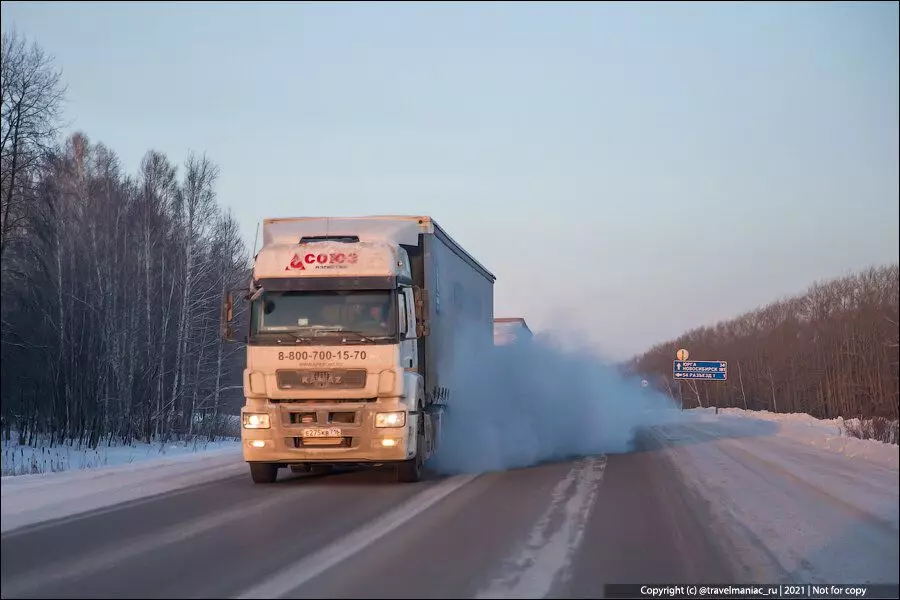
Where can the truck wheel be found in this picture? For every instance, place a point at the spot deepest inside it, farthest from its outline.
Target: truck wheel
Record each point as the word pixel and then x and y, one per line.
pixel 410 471
pixel 263 472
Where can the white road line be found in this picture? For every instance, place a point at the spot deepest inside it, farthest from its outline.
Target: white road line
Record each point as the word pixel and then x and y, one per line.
pixel 306 569
pixel 555 538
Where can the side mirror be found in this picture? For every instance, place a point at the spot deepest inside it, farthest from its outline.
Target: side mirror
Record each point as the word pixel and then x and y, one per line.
pixel 421 301
pixel 403 314
pixel 228 317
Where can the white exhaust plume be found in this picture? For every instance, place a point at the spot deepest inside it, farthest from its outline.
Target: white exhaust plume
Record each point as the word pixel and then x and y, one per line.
pixel 529 403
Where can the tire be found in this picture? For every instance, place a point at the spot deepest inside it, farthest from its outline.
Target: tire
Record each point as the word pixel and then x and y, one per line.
pixel 263 472
pixel 410 471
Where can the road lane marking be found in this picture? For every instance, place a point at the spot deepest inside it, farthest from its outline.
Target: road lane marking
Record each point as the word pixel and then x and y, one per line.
pixel 545 558
pixel 314 565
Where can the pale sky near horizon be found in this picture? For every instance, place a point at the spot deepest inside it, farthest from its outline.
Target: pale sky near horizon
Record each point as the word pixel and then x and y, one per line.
pixel 628 171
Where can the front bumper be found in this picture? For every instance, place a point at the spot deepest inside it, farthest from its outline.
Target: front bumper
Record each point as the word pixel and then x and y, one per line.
pixel 359 442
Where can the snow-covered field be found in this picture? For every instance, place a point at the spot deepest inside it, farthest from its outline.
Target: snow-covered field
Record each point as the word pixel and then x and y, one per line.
pixel 43 458
pixel 798 499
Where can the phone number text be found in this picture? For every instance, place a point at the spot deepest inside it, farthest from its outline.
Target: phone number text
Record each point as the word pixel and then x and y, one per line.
pixel 323 355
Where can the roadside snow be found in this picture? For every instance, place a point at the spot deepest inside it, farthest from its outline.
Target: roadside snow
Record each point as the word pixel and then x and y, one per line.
pixel 797 500
pixel 26 460
pixel 30 499
pixel 830 435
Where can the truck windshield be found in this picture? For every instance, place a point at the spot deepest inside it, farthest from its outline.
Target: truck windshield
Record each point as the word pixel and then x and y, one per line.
pixel 313 314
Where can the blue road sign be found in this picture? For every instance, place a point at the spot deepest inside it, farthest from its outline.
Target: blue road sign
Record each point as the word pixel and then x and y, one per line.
pixel 717 370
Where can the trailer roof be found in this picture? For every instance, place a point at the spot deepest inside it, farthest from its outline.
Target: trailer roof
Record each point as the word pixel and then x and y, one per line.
pixel 519 320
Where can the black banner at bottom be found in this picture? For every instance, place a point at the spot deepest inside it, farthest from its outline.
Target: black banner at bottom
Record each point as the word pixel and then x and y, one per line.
pixel 752 591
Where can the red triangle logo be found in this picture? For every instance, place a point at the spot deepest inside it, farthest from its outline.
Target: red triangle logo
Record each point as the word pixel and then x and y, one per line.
pixel 296 264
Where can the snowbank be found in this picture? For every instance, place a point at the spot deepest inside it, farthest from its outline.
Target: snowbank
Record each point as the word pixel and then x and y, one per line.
pixel 43 458
pixel 830 435
pixel 29 499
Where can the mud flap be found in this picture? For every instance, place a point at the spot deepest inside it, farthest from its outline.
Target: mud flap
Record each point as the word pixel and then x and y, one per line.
pixel 426 427
pixel 432 420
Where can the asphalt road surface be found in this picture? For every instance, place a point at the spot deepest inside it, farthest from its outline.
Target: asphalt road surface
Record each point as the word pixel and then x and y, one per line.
pixel 555 530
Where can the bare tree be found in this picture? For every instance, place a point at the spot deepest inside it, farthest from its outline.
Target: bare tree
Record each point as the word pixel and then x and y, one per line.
pixel 32 92
pixel 112 284
pixel 195 210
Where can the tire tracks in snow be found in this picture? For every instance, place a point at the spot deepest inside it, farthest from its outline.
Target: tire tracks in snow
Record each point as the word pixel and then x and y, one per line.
pixel 544 561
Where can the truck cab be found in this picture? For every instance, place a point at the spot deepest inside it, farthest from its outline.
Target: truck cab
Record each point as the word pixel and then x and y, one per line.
pixel 336 352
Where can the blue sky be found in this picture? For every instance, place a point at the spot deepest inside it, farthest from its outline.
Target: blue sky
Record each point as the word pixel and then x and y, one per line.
pixel 628 171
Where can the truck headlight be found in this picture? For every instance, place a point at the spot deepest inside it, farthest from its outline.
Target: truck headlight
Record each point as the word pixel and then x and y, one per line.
pixel 390 419
pixel 255 420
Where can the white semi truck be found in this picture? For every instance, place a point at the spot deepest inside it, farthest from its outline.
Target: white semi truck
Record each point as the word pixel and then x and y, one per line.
pixel 355 325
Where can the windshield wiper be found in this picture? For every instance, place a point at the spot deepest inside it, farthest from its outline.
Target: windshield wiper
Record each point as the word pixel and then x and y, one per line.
pixel 298 338
pixel 363 337
pixel 326 331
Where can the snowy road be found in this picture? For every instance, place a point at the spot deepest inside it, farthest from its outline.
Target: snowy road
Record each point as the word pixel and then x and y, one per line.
pixel 699 502
pixel 795 513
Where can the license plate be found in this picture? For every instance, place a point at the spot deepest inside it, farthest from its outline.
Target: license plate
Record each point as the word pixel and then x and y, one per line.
pixel 330 432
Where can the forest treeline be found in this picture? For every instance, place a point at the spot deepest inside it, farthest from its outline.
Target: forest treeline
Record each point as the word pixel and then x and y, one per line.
pixel 831 352
pixel 112 282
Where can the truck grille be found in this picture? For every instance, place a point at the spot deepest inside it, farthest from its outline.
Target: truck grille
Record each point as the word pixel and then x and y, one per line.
pixel 339 379
pixel 311 418
pixel 307 418
pixel 341 442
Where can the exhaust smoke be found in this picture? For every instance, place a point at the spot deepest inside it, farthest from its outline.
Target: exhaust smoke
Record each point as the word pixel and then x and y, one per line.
pixel 527 403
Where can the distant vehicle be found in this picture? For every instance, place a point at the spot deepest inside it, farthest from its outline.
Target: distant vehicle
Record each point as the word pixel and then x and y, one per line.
pixel 353 326
pixel 511 330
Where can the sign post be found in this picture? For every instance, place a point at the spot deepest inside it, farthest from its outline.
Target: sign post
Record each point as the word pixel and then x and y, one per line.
pixel 682 354
pixel 708 370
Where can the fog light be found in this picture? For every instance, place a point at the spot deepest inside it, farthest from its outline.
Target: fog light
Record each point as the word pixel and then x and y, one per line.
pixel 258 443
pixel 389 443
